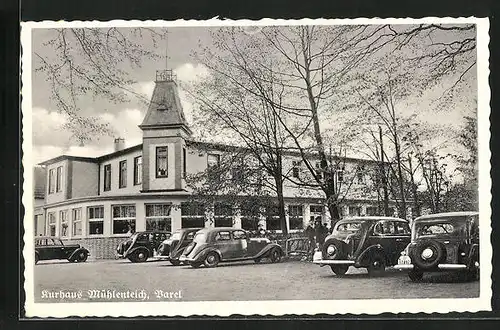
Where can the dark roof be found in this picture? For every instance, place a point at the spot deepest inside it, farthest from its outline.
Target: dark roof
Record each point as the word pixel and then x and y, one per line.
pixel 118 153
pixel 440 216
pixel 39 178
pixel 64 157
pixel 371 218
pixel 165 108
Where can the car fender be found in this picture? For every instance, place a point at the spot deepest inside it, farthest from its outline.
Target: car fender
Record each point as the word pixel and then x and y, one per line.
pixel 361 259
pixel 203 253
pixel 268 248
pixel 80 249
pixel 131 251
pixel 473 255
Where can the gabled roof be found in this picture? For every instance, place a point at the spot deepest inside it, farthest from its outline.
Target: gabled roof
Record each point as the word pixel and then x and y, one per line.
pixel 165 108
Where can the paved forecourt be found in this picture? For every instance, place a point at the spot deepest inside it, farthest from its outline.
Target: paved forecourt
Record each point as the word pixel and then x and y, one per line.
pixel 121 280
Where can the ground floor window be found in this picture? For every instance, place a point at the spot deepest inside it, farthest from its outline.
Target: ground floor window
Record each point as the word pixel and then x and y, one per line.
pixel 123 219
pixel 223 215
pixel 76 216
pixel 158 217
pixel 273 218
pixel 250 215
pixel 96 220
pixel 192 215
pixel 372 210
pixel 295 217
pixel 354 210
pixel 51 218
pixel 63 217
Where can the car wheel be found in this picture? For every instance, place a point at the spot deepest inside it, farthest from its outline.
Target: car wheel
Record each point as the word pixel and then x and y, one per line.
pixel 212 259
pixel 275 255
pixel 339 270
pixel 333 249
pixel 36 258
pixel 377 265
pixel 139 256
pixel 81 256
pixel 415 275
pixel 428 254
pixel 175 262
pixel 257 260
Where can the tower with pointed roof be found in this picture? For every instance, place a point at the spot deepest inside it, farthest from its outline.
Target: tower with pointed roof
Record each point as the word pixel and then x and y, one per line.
pixel 165 130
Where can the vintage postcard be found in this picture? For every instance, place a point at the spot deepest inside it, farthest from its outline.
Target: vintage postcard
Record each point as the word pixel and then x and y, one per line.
pixel 268 167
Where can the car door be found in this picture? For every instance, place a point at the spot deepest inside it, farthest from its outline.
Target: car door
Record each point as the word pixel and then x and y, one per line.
pixel 41 248
pixel 54 249
pixel 224 242
pixel 402 237
pixel 242 248
pixel 383 234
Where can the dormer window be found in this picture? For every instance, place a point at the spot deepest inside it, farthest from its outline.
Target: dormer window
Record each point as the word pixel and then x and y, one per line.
pixel 161 162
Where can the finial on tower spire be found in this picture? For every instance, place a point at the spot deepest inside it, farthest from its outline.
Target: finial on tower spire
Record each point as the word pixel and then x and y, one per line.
pixel 166 74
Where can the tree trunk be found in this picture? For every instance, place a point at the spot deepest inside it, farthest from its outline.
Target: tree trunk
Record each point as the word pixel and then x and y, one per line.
pixel 279 191
pixel 401 178
pixel 383 174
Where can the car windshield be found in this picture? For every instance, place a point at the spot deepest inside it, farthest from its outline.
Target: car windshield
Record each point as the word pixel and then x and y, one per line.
pixel 200 238
pixel 349 227
pixel 176 236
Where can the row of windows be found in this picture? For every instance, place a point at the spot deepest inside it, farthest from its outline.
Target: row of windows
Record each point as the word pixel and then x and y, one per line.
pixel 122 173
pixel 158 218
pixel 55 179
pixel 360 172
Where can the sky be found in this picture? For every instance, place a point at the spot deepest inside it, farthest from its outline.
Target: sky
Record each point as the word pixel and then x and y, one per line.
pixel 51 140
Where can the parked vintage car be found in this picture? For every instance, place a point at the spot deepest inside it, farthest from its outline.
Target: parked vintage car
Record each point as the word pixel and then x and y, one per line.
pixel 141 245
pixel 371 242
pixel 213 245
pixel 172 248
pixel 444 241
pixel 48 248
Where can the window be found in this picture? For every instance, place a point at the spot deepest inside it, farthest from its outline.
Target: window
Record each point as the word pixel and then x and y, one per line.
pixel 59 179
pixel 223 215
pixel 192 215
pixel 137 170
pixel 52 182
pixel 213 160
pixel 239 234
pixel 354 210
pixel 52 223
pixel 158 217
pixel 371 210
pixel 340 174
pixel 273 218
pixel 161 162
pixel 223 236
pixel 316 209
pixel 402 228
pixel 76 216
pixel 63 217
pixel 250 213
pixel 107 177
pixel 319 171
pixel 123 219
pixel 360 174
pixel 295 169
pixel 96 220
pixel 295 217
pixel 184 162
pixel 384 228
pixel 122 176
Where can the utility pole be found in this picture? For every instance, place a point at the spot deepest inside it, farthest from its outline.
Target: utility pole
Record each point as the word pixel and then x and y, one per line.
pixel 383 172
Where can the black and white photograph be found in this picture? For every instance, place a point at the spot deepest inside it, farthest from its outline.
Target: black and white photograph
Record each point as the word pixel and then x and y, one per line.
pixel 264 167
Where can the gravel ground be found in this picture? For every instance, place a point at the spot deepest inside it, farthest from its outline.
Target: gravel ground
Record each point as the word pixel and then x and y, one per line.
pixel 289 280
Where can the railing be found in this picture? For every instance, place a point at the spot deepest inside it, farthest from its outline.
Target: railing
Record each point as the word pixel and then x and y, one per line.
pixel 165 75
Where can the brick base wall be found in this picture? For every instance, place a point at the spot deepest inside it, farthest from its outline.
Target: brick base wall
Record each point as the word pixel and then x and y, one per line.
pixel 99 247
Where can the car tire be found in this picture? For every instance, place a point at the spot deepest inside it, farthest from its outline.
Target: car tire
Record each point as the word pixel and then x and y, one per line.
pixel 377 264
pixel 195 264
pixel 211 260
pixel 338 248
pixel 175 262
pixel 339 270
pixel 439 253
pixel 81 257
pixel 139 256
pixel 257 260
pixel 415 275
pixel 275 255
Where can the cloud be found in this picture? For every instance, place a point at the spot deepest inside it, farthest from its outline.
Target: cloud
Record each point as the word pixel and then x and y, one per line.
pixel 47 127
pixel 188 72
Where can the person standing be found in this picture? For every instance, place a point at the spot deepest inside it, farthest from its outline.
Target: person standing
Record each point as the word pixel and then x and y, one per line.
pixel 310 235
pixel 320 232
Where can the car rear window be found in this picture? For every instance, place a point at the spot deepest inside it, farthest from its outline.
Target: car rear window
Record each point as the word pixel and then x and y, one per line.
pixel 349 226
pixel 435 229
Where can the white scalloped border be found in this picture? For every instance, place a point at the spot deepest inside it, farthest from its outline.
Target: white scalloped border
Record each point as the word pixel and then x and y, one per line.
pixel 275 308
